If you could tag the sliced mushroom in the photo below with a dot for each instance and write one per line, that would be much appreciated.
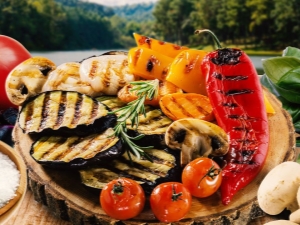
(27, 79)
(195, 138)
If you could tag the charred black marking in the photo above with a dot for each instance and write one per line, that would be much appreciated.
(239, 117)
(229, 78)
(230, 104)
(45, 111)
(61, 109)
(77, 113)
(247, 153)
(234, 116)
(236, 92)
(149, 66)
(227, 56)
(247, 141)
(239, 128)
(248, 162)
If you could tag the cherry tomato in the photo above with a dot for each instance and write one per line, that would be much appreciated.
(170, 201)
(122, 198)
(202, 177)
(12, 53)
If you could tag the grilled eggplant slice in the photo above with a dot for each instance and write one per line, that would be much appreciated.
(68, 112)
(153, 126)
(77, 152)
(164, 167)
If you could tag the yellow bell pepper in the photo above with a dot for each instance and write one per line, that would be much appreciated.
(269, 108)
(165, 48)
(185, 71)
(148, 64)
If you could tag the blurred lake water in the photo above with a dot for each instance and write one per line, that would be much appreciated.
(59, 57)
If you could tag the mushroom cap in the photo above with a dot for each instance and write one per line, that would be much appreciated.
(281, 222)
(279, 188)
(196, 138)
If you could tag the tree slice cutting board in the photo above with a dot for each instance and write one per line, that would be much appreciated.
(67, 198)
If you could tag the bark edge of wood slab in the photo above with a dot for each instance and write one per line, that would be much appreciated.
(65, 197)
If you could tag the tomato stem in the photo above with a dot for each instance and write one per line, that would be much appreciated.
(175, 196)
(118, 188)
(212, 34)
(212, 173)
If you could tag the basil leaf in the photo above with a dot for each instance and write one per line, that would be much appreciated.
(294, 110)
(265, 81)
(291, 80)
(291, 51)
(289, 95)
(276, 67)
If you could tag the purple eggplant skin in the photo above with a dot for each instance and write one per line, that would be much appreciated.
(8, 118)
(80, 163)
(155, 140)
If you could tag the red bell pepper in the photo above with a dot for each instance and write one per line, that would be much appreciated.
(236, 95)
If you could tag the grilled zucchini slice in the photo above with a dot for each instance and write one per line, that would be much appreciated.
(77, 152)
(164, 167)
(66, 112)
(153, 126)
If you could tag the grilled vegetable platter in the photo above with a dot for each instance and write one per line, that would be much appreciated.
(150, 115)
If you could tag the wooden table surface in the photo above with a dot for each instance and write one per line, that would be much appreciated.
(32, 212)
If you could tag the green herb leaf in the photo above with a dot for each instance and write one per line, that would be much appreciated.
(131, 112)
(291, 80)
(291, 51)
(277, 67)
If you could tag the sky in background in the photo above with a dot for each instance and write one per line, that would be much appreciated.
(119, 2)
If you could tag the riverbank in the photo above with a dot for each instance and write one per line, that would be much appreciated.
(59, 57)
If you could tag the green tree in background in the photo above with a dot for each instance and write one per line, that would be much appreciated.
(286, 17)
(78, 24)
(173, 20)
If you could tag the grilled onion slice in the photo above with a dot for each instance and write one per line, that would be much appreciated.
(65, 112)
(76, 152)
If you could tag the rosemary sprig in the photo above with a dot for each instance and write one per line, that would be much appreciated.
(143, 90)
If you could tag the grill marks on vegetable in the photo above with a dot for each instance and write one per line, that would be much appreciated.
(141, 170)
(245, 148)
(59, 148)
(64, 151)
(57, 110)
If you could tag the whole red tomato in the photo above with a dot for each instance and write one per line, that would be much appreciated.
(12, 53)
(202, 177)
(122, 199)
(170, 201)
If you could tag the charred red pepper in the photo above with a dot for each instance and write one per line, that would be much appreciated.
(236, 95)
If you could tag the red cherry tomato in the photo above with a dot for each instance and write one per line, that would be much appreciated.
(170, 201)
(202, 177)
(12, 53)
(122, 199)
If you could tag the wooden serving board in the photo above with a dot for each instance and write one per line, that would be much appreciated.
(68, 199)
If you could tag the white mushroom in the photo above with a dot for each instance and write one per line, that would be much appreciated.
(295, 216)
(195, 138)
(278, 190)
(281, 222)
(27, 79)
